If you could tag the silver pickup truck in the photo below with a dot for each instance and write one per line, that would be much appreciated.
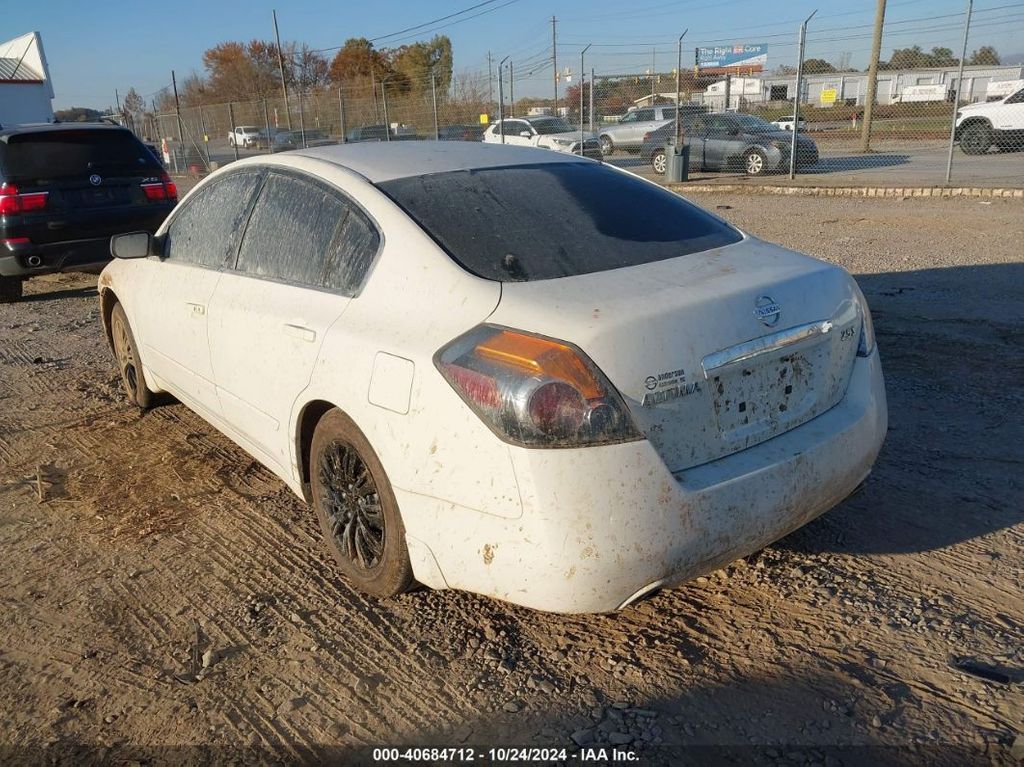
(628, 134)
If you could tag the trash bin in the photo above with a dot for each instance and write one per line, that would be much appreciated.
(677, 162)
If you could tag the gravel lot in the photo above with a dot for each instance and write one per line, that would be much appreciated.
(168, 591)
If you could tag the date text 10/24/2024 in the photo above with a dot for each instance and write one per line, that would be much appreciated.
(503, 755)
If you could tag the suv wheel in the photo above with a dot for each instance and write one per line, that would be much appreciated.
(10, 289)
(607, 146)
(976, 139)
(357, 509)
(658, 161)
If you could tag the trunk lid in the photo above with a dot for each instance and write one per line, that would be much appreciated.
(713, 352)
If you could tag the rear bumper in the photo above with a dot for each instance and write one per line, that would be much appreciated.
(603, 526)
(29, 259)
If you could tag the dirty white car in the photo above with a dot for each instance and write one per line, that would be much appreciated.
(544, 132)
(485, 372)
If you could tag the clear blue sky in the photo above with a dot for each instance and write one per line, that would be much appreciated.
(95, 47)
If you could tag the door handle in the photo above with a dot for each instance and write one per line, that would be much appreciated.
(196, 310)
(301, 332)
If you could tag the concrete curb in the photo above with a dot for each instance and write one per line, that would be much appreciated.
(852, 191)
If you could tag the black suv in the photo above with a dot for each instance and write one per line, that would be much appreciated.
(65, 189)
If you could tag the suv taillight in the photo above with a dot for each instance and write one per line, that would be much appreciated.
(12, 202)
(535, 391)
(164, 189)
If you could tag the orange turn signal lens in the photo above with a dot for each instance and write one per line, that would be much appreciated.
(540, 357)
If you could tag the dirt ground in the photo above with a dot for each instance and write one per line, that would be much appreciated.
(169, 592)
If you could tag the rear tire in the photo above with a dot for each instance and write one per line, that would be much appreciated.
(659, 161)
(129, 364)
(357, 510)
(976, 139)
(607, 145)
(10, 289)
(754, 163)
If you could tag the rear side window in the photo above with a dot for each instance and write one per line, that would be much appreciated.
(205, 231)
(540, 222)
(305, 233)
(40, 156)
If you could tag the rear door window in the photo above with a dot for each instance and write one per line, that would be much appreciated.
(39, 156)
(540, 222)
(303, 232)
(205, 230)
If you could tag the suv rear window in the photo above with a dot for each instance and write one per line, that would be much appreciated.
(539, 222)
(38, 155)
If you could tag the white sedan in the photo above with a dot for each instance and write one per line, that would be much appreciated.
(544, 132)
(485, 372)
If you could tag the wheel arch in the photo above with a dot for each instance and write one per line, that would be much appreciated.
(305, 426)
(972, 120)
(108, 300)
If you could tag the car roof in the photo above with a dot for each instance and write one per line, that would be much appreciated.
(389, 160)
(48, 127)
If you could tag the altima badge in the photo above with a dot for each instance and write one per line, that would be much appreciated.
(766, 310)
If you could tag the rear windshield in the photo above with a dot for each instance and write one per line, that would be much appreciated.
(539, 222)
(38, 156)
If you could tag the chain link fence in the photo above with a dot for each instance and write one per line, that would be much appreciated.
(737, 126)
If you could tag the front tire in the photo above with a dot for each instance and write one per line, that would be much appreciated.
(129, 363)
(754, 163)
(659, 161)
(356, 508)
(10, 289)
(607, 145)
(976, 139)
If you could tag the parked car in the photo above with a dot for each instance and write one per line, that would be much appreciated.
(288, 140)
(543, 132)
(244, 136)
(612, 397)
(368, 133)
(786, 123)
(998, 123)
(628, 133)
(461, 132)
(65, 189)
(266, 137)
(730, 141)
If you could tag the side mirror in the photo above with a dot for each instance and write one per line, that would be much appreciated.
(132, 245)
(525, 134)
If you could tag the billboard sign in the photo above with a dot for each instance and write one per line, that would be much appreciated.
(751, 58)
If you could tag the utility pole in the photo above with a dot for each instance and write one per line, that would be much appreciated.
(280, 66)
(876, 51)
(582, 80)
(384, 101)
(679, 75)
(490, 82)
(511, 91)
(796, 100)
(501, 99)
(177, 112)
(117, 98)
(958, 92)
(592, 81)
(653, 65)
(554, 60)
(433, 96)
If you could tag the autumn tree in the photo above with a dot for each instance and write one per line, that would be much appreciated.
(357, 59)
(237, 71)
(818, 67)
(415, 63)
(986, 55)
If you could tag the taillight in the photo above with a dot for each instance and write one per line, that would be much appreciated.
(12, 202)
(535, 391)
(164, 189)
